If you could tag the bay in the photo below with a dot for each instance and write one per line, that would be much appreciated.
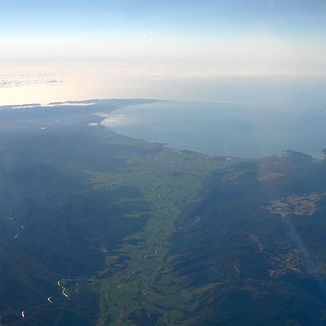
(226, 129)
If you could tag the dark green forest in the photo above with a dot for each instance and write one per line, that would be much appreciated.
(101, 229)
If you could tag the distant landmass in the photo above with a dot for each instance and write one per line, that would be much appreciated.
(102, 229)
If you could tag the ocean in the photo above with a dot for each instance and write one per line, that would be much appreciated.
(225, 129)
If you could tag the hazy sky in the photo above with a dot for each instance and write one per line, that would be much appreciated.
(101, 47)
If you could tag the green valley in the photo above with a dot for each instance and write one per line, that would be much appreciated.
(101, 229)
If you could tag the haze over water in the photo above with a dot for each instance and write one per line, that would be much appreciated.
(176, 50)
(267, 52)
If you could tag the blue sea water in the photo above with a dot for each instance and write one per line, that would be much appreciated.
(224, 129)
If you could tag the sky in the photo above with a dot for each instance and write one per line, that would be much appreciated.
(76, 49)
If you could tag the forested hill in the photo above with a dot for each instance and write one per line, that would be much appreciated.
(101, 229)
